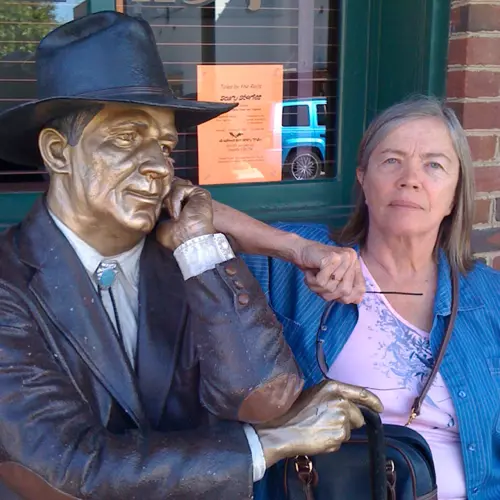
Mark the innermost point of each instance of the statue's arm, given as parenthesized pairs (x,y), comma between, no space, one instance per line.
(248,371)
(53,446)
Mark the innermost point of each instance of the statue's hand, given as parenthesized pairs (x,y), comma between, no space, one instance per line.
(190,209)
(319,421)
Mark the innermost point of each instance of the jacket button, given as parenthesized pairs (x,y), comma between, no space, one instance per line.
(238,284)
(231,271)
(243,299)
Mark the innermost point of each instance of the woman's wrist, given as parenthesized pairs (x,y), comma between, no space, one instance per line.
(289,247)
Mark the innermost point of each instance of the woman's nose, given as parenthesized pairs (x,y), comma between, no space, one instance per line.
(410,176)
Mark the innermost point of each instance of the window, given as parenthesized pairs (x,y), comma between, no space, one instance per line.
(22,25)
(296,116)
(301,37)
(321,114)
(298,37)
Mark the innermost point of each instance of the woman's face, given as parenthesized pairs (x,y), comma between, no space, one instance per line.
(411,179)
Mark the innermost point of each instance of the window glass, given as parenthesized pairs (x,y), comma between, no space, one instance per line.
(276,58)
(321,114)
(296,116)
(23,23)
(242,45)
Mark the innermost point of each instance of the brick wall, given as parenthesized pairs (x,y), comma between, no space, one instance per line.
(474,92)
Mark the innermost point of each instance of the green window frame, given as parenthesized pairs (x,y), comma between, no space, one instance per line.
(388,50)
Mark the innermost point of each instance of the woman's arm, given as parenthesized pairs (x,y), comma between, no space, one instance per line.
(251,236)
(331,272)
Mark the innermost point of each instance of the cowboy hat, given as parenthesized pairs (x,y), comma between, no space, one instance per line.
(101,58)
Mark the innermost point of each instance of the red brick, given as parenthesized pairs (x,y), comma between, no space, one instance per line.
(485,240)
(457,51)
(482,147)
(483,17)
(473,84)
(455,84)
(474,18)
(487,179)
(497,210)
(478,115)
(496,263)
(482,212)
(479,50)
(458,19)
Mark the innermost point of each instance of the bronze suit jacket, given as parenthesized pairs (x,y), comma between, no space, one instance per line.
(77,422)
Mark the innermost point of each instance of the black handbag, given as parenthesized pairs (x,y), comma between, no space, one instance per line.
(379,462)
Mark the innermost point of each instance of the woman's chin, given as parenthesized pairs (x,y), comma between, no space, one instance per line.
(405,229)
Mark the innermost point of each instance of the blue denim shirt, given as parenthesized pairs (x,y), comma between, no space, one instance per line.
(470,368)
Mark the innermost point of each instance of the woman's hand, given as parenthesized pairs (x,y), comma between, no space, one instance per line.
(334,273)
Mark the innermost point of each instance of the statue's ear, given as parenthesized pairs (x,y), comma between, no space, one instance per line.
(54,149)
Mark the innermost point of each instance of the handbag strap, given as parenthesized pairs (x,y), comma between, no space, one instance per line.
(417,403)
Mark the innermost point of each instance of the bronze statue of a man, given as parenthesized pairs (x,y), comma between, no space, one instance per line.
(138,358)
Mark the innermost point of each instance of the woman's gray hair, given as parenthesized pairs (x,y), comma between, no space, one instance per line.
(455,231)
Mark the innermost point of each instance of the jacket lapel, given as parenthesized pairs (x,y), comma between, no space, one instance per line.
(65,291)
(162,321)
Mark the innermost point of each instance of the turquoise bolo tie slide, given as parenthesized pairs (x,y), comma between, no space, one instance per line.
(106,273)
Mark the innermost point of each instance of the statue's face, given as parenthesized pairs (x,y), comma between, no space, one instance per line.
(121,168)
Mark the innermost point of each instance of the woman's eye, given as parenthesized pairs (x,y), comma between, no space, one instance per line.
(435,165)
(391,161)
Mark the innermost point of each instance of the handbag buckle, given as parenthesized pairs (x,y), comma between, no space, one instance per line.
(305,471)
(303,464)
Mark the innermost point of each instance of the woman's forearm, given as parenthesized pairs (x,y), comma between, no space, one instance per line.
(254,237)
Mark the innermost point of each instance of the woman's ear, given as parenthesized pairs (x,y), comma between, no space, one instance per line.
(360,175)
(54,150)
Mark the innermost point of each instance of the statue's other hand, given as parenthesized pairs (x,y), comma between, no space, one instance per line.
(319,421)
(191,214)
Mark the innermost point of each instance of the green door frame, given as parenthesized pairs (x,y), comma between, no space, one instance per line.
(376,36)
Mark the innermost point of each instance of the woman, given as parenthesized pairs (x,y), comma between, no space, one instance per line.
(411,225)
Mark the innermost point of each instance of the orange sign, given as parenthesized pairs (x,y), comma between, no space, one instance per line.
(243,145)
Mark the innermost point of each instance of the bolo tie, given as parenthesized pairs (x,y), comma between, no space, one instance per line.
(106,274)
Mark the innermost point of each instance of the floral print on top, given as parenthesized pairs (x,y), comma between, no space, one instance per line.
(393,358)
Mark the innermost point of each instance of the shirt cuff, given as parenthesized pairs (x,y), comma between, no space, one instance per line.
(258,460)
(202,253)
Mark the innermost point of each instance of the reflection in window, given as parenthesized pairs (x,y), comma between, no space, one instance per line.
(300,35)
(321,114)
(295,116)
(22,26)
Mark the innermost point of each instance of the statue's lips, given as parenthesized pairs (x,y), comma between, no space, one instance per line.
(145,196)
